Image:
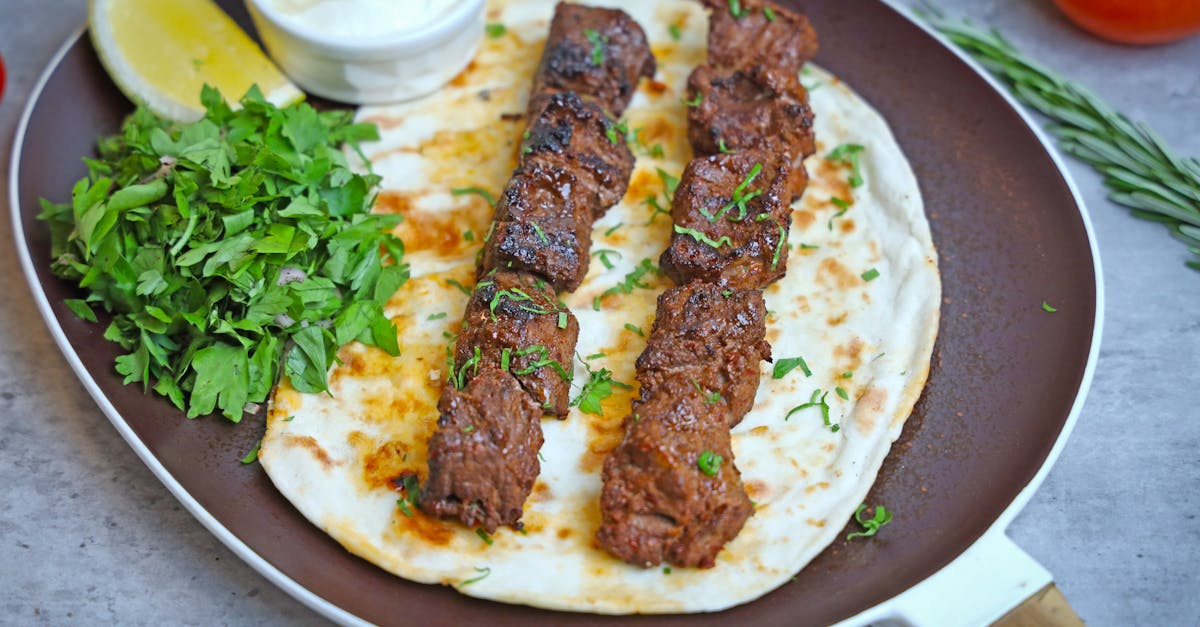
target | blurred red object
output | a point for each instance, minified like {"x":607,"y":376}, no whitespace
{"x":1,"y":78}
{"x":1135,"y":21}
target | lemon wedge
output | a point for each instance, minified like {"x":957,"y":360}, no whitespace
{"x":161,"y":52}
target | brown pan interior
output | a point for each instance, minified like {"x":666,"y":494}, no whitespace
{"x":1004,"y":374}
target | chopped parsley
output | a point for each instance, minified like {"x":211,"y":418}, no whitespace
{"x":603,"y":254}
{"x":723,"y":148}
{"x":675,"y":32}
{"x":485,"y":572}
{"x":469,"y":235}
{"x":870,"y":275}
{"x":541,"y":359}
{"x":483,"y":535}
{"x":462,"y":288}
{"x":1047,"y":308}
{"x":709,"y":462}
{"x":437,"y":316}
{"x":505,"y":358}
{"x":849,"y":154}
{"x":694,"y":102}
{"x":816,"y":400}
{"x":710,"y":398}
{"x":598,"y":42}
{"x":404,"y":507}
{"x":737,"y":10}
{"x":872,"y":525}
{"x":477,"y":191}
{"x":849,"y":374}
{"x":613,"y":229}
{"x":788,"y":364}
{"x":598,"y":387}
{"x":537,"y":228}
{"x":468,"y":429}
{"x":252,"y":456}
{"x":634,"y":328}
{"x":779,"y":246}
{"x":704,"y":239}
{"x":769,"y":13}
{"x":495,"y":30}
{"x":670,"y":184}
{"x":842,"y":393}
{"x":739,"y":198}
{"x":562,"y":319}
{"x":412,"y":494}
{"x":633,"y":280}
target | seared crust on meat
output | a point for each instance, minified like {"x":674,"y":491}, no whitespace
{"x":483,"y":457}
{"x":732,"y":213}
{"x":786,"y":42}
{"x":516,"y":323}
{"x":600,"y":53}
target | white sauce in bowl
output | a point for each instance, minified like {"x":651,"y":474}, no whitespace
{"x":359,"y":18}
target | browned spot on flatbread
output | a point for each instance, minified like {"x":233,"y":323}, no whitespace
{"x":642,"y":185}
{"x":425,"y":529}
{"x":440,"y":232}
{"x":654,"y":87}
{"x":832,"y":274}
{"x":464,"y":77}
{"x":802,"y":304}
{"x":563,"y":533}
{"x":758,"y":490}
{"x":815,"y":522}
{"x":760,"y":430}
{"x":846,"y":226}
{"x":310,"y":444}
{"x":382,"y":466}
{"x":869,"y":410}
{"x":833,"y":321}
{"x":835,"y":176}
{"x":541,"y":492}
{"x":773,"y":334}
{"x":820,"y":485}
{"x":802,"y":219}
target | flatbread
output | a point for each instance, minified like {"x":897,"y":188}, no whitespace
{"x":335,"y":456}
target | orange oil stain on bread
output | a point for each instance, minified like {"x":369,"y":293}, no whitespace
{"x":426,"y":529}
{"x":802,"y":219}
{"x":832,"y":274}
{"x":869,"y":409}
{"x":309,"y":444}
{"x":834,"y":177}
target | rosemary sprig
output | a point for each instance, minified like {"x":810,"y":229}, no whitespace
{"x":1139,"y":167}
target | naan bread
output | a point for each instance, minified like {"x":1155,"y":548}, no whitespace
{"x":335,"y":456}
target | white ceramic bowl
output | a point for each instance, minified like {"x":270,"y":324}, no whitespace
{"x":372,"y":70}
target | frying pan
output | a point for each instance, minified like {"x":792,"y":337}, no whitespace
{"x":1006,"y":384}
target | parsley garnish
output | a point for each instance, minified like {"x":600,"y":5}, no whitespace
{"x":670,"y":184}
{"x":603,"y":254}
{"x":483,"y":535}
{"x":598,"y":387}
{"x":562,"y":319}
{"x":816,"y":400}
{"x":1047,"y":308}
{"x":737,"y":10}
{"x":404,"y":507}
{"x":598,"y":41}
{"x":674,"y":31}
{"x":779,"y":246}
{"x":842,"y":393}
{"x":462,"y":288}
{"x":495,"y":30}
{"x":704,"y":239}
{"x":537,"y":228}
{"x":848,"y":374}
{"x":769,"y":13}
{"x":252,"y":456}
{"x":634,"y":328}
{"x":632,"y":281}
{"x":723,"y":148}
{"x":788,"y":364}
{"x":485,"y":570}
{"x":437,"y":316}
{"x":870,"y":526}
{"x":849,"y":155}
{"x":412,"y":494}
{"x":694,"y":102}
{"x":482,"y":193}
{"x":870,"y":275}
{"x":541,"y":360}
{"x":709,"y":462}
{"x":710,"y":398}
{"x":739,"y":198}
{"x":613,"y":229}
{"x":231,"y":250}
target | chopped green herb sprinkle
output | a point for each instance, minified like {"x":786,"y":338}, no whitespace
{"x":562,"y":319}
{"x":788,"y":364}
{"x":613,"y":229}
{"x":739,"y":198}
{"x":603,"y":254}
{"x":252,"y":456}
{"x":841,"y":204}
{"x":437,"y":316}
{"x":779,"y":246}
{"x":704,"y":239}
{"x":469,"y":235}
{"x":842,"y":393}
{"x":634,"y":328}
{"x":404,"y":508}
{"x":596,"y":356}
{"x":537,"y":228}
{"x":694,"y":102}
{"x":722,"y":147}
{"x":483,"y":535}
{"x":666,"y":570}
{"x":872,"y":525}
{"x":675,"y":32}
{"x":849,"y":374}
{"x":633,"y":280}
{"x":599,"y":386}
{"x":709,"y":462}
{"x":468,"y":428}
{"x":598,"y":41}
{"x":495,"y":30}
{"x":482,"y":193}
{"x":737,"y":10}
{"x":849,"y":154}
{"x":804,"y":246}
{"x":462,"y":288}
{"x":816,"y":400}
{"x":870,"y":275}
{"x":769,"y":13}
{"x":485,"y":572}
{"x":505,"y":358}
{"x":1047,"y":308}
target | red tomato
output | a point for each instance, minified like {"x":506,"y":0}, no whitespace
{"x":1135,"y":21}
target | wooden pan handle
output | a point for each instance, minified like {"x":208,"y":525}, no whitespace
{"x":1046,"y":608}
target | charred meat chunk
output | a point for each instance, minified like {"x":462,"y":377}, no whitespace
{"x":671,"y":491}
{"x":543,"y":225}
{"x":780,"y":38}
{"x":601,"y":53}
{"x":711,"y":338}
{"x":732,"y":213}
{"x":566,"y":132}
{"x":756,"y":108}
{"x":483,"y":457}
{"x":515,"y":323}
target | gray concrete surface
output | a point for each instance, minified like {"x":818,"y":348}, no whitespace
{"x":89,"y":536}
